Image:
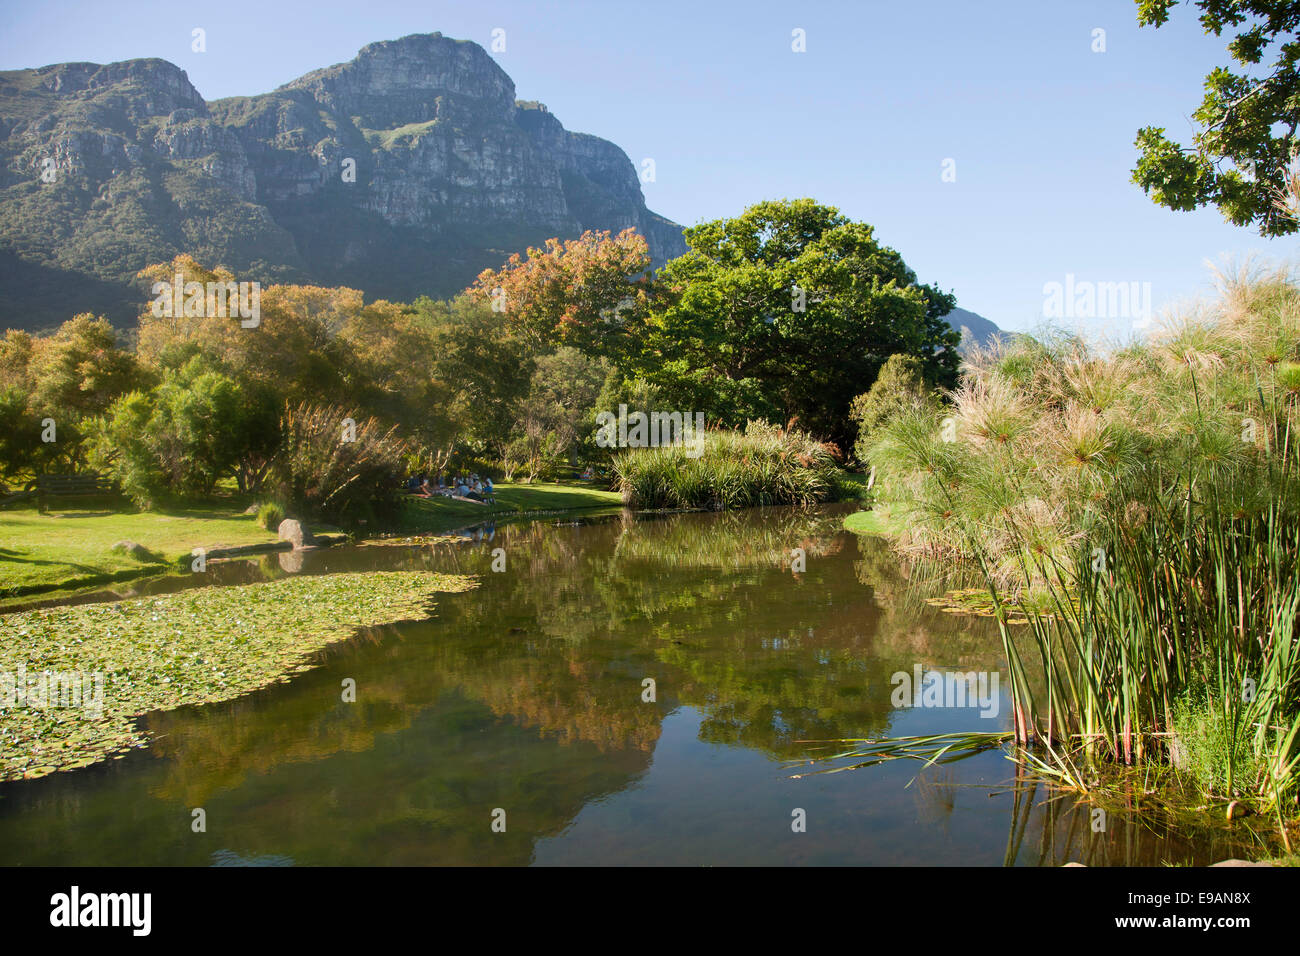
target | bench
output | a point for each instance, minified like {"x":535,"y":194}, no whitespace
{"x":65,"y":486}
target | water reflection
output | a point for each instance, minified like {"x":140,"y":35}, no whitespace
{"x":529,"y":695}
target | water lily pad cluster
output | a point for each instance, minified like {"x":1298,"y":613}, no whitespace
{"x":192,"y":647}
{"x":414,"y":541}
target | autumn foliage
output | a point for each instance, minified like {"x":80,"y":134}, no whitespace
{"x":578,"y":292}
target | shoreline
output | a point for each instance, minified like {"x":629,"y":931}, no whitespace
{"x":133,"y":661}
{"x":95,"y":565}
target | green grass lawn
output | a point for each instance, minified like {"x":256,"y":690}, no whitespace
{"x":442,"y":514}
{"x":873,"y":522}
{"x":74,"y":547}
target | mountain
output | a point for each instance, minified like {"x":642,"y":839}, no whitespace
{"x":452,"y":175}
{"x":975,"y":329}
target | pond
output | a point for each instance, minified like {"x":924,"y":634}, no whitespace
{"x":519,"y":724}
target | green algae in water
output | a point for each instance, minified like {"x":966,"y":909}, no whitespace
{"x":118,"y":661}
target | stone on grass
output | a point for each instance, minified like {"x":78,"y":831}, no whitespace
{"x":134,"y":550}
{"x":292,"y":530}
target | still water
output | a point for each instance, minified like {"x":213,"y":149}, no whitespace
{"x":528,"y":696}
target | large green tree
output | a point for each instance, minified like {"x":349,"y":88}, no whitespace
{"x":1245,"y":141}
{"x":787,"y":312}
{"x":197,"y":426}
{"x":479,"y":368}
{"x":66,"y":379}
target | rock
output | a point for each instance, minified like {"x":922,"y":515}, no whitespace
{"x":450,"y":174}
{"x":137,"y":551}
{"x":1235,"y":862}
{"x":292,"y":531}
{"x":251,"y":510}
{"x":291,"y":561}
{"x":1084,"y":865}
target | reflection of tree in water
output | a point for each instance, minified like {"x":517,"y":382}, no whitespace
{"x":561,"y":641}
{"x":406,"y":775}
{"x":707,"y":606}
{"x":526,"y":694}
{"x":936,"y":795}
{"x":901,"y":587}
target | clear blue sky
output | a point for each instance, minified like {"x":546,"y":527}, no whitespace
{"x":1041,"y":128}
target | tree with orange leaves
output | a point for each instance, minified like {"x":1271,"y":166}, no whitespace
{"x":585,"y":292}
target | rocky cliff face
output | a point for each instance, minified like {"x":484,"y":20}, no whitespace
{"x":403,"y":172}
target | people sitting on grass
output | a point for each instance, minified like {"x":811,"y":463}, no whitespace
{"x":472,"y":488}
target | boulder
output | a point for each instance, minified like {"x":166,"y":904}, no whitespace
{"x":1235,"y":862}
{"x":292,"y":530}
{"x":137,"y":551}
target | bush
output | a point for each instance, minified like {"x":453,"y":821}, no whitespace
{"x":181,"y":436}
{"x":323,"y":474}
{"x":1046,"y":438}
{"x":764,"y":465}
{"x":270,"y":515}
{"x":899,"y":385}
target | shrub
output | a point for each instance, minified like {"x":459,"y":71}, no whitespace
{"x":764,"y":465}
{"x":270,"y":515}
{"x":181,"y":436}
{"x":900,"y":384}
{"x":322,"y":474}
{"x":1046,"y":437}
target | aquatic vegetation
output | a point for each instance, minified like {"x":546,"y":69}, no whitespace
{"x":763,"y":465}
{"x":117,"y":661}
{"x":1143,"y":508}
{"x":413,"y":541}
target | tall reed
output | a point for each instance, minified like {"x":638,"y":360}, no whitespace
{"x":1151,"y":497}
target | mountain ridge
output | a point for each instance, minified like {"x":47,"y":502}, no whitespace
{"x":403,"y":171}
{"x":452,"y":174}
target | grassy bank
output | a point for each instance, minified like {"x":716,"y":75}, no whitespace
{"x":74,"y":548}
{"x":118,"y":661}
{"x":432,"y":515}
{"x":874,"y":522}
{"x":66,"y":550}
